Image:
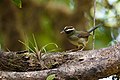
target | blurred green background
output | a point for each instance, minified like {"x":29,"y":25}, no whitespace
{"x":46,"y":18}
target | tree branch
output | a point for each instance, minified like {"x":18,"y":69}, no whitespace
{"x":83,"y":65}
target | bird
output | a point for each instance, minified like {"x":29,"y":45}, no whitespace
{"x":78,"y":38}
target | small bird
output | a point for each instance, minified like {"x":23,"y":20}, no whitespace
{"x":78,"y":38}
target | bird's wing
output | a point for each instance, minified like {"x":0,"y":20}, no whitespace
{"x":83,"y":34}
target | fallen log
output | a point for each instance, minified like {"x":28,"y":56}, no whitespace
{"x":80,"y":65}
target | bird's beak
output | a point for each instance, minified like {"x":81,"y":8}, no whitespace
{"x":62,"y":32}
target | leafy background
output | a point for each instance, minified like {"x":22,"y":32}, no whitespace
{"x":20,"y":19}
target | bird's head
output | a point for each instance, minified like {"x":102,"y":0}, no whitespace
{"x":68,"y":30}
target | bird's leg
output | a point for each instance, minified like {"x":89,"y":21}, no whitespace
{"x":78,"y":48}
{"x":73,"y":50}
{"x":83,"y":46}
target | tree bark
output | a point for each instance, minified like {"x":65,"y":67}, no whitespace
{"x":80,"y":65}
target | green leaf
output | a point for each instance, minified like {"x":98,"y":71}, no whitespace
{"x":51,"y":77}
{"x":18,"y":3}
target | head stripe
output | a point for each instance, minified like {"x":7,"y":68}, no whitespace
{"x":70,"y":29}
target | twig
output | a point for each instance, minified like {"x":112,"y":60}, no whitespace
{"x":94,"y":25}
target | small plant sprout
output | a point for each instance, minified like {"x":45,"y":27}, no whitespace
{"x":43,"y":48}
{"x":38,"y":53}
{"x":27,"y":46}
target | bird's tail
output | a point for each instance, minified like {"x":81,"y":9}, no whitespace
{"x":92,"y":29}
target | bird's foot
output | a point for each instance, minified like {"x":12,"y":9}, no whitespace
{"x":72,"y":50}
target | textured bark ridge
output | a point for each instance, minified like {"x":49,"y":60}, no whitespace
{"x":82,"y":65}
